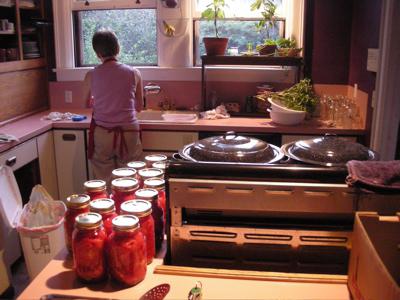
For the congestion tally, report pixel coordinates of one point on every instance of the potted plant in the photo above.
(287, 47)
(268, 48)
(215, 45)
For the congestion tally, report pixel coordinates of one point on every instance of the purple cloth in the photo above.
(374, 175)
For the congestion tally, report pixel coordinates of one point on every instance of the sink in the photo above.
(166, 116)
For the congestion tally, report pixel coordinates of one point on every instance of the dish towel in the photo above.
(7, 138)
(58, 116)
(219, 112)
(376, 176)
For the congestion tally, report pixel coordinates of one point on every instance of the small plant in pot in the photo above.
(287, 47)
(268, 48)
(215, 45)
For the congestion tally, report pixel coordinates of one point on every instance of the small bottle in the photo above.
(96, 189)
(126, 251)
(76, 205)
(88, 246)
(123, 189)
(106, 208)
(142, 210)
(159, 185)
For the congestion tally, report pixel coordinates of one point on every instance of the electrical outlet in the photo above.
(68, 96)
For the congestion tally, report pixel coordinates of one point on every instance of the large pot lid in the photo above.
(328, 150)
(231, 148)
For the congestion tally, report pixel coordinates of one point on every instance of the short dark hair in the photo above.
(105, 43)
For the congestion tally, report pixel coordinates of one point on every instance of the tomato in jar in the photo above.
(88, 246)
(96, 189)
(126, 251)
(151, 195)
(76, 205)
(142, 210)
(147, 173)
(123, 189)
(159, 185)
(124, 172)
(106, 208)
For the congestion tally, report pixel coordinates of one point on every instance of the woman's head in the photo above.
(105, 43)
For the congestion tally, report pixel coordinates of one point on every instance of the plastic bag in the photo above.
(41, 214)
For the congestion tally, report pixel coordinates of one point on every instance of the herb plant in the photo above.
(215, 11)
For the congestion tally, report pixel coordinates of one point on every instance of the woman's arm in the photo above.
(139, 92)
(86, 89)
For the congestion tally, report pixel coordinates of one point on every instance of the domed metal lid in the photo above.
(328, 150)
(232, 148)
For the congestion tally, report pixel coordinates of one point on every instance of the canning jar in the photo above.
(149, 173)
(159, 185)
(88, 246)
(96, 189)
(126, 251)
(142, 210)
(137, 165)
(160, 165)
(106, 208)
(123, 189)
(76, 204)
(151, 195)
(124, 172)
(152, 158)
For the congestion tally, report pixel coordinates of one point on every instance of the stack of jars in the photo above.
(118, 232)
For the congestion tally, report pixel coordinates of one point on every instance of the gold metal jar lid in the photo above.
(137, 165)
(78, 201)
(155, 183)
(125, 223)
(90, 220)
(147, 194)
(139, 208)
(95, 185)
(124, 172)
(125, 184)
(102, 205)
(150, 173)
(160, 165)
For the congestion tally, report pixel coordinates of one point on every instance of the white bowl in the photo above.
(276, 105)
(287, 118)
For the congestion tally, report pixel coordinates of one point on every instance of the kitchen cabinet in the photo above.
(47, 163)
(71, 161)
(20, 155)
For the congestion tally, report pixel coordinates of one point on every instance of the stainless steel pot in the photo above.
(328, 150)
(232, 148)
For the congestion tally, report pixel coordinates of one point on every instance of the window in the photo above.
(135, 28)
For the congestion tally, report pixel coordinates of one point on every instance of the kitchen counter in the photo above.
(34, 125)
(59, 278)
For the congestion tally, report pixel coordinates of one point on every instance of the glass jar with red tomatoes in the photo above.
(147, 173)
(137, 165)
(152, 158)
(76, 205)
(124, 172)
(151, 195)
(106, 208)
(96, 189)
(123, 189)
(126, 251)
(160, 165)
(142, 210)
(88, 247)
(159, 185)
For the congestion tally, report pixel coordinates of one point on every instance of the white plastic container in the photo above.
(287, 118)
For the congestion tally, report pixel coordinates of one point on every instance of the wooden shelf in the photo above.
(20, 65)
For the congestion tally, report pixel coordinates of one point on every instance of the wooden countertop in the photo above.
(59, 278)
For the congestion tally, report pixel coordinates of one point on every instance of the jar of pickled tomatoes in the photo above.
(76, 205)
(123, 189)
(159, 185)
(126, 251)
(160, 165)
(96, 189)
(124, 172)
(137, 165)
(152, 158)
(142, 210)
(106, 208)
(151, 195)
(147, 173)
(88, 247)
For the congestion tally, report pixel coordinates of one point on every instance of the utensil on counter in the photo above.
(156, 293)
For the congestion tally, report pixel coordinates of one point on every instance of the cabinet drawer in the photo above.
(167, 140)
(20, 155)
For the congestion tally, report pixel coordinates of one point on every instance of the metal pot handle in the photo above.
(230, 133)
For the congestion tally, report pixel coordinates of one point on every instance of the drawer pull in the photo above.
(69, 137)
(11, 161)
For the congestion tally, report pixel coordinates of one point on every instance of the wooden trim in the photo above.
(20, 65)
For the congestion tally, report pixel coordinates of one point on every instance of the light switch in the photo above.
(68, 96)
(372, 61)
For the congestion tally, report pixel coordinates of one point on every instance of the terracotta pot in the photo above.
(267, 50)
(215, 46)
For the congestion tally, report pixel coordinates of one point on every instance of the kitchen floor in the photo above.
(20, 278)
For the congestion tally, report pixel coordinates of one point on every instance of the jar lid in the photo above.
(155, 157)
(124, 172)
(150, 173)
(90, 220)
(139, 208)
(125, 184)
(137, 165)
(155, 183)
(147, 194)
(125, 223)
(160, 165)
(102, 205)
(95, 185)
(78, 200)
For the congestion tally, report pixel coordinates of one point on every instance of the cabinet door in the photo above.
(167, 141)
(47, 163)
(70, 161)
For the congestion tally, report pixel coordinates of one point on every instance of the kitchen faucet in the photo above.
(150, 88)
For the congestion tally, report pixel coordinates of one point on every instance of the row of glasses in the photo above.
(340, 111)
